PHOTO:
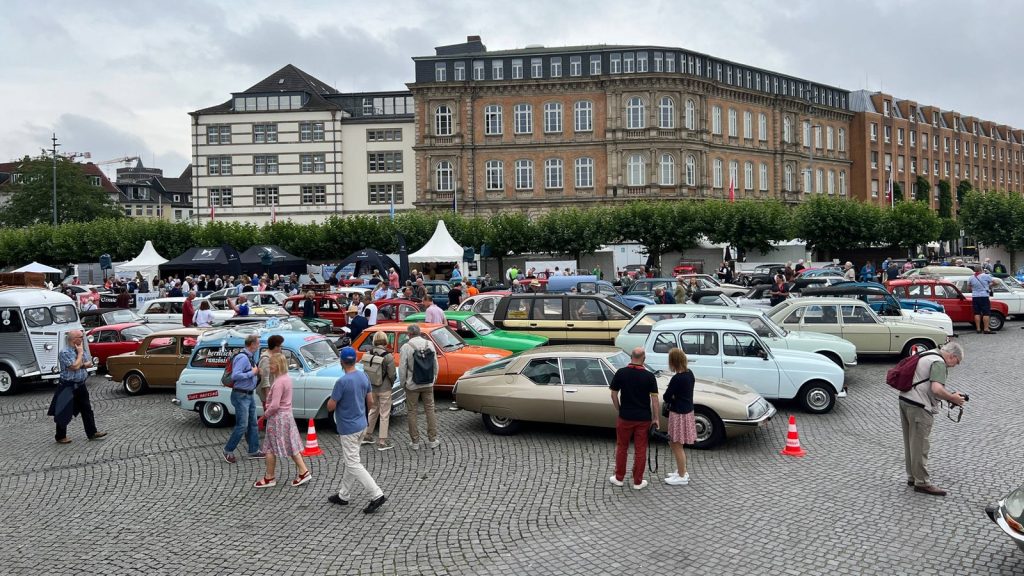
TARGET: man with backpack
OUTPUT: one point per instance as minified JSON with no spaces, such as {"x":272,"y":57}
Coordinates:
{"x":418,"y":372}
{"x":244,"y":376}
{"x":379,"y":367}
{"x":921,"y":380}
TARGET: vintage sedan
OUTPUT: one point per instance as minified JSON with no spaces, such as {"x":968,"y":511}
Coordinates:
{"x":733,"y":351}
{"x":396,"y":309}
{"x":884,"y":303}
{"x":855,"y":321}
{"x":329,"y":306}
{"x":114,"y":339}
{"x":484,"y":303}
{"x":105,"y":316}
{"x":1008,"y":514}
{"x":569,"y":385}
{"x":478,"y":331}
{"x":563,"y":318}
{"x":1014,"y":299}
{"x":157,"y":361}
{"x":958,"y":306}
{"x":454,"y":356}
{"x":312,"y":363}
{"x":836,"y":349}
{"x":168,"y":310}
{"x":709,"y":282}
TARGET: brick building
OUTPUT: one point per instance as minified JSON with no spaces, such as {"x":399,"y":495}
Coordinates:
{"x":536,"y":128}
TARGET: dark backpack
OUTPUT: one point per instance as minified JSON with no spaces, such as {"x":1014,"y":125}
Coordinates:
{"x":901,"y":376}
{"x":225,"y":378}
{"x":423,"y":366}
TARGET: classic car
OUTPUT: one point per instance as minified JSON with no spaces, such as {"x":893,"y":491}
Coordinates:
{"x":591,"y":285}
{"x":157,"y":361}
{"x":824,"y":271}
{"x":478,"y":331}
{"x":760,"y":274}
{"x":1008,"y":514}
{"x":569,"y":385}
{"x":646,"y":286}
{"x":874,"y":293}
{"x":168,"y":310}
{"x":104,"y":316}
{"x":958,"y":306}
{"x":563,"y":318}
{"x":759,"y":298}
{"x":883,"y":303}
{"x":836,"y":349}
{"x":329,"y":306}
{"x":113,"y":339}
{"x":1013,"y":299}
{"x":454,"y":356}
{"x":396,"y":309}
{"x":855,"y":321}
{"x":312,"y":363}
{"x":483,"y":303}
{"x":732,"y":350}
{"x":438,"y":290}
{"x":709,"y":282}
{"x":940,"y":271}
{"x":219,"y":300}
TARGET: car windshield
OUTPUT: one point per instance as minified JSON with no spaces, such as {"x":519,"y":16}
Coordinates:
{"x":446,"y":339}
{"x":777,"y":308}
{"x":618,"y":360}
{"x":319,"y":354}
{"x":136,"y":333}
{"x":121,"y":316}
{"x":64,"y":314}
{"x":480,"y":325}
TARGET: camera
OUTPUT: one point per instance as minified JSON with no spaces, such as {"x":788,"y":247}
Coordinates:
{"x":657,"y":435}
{"x":966,"y":397}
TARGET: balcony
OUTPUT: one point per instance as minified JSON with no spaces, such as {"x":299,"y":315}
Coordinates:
{"x":667,"y":133}
{"x":452,"y":140}
{"x":637,"y":134}
{"x":439,"y":196}
{"x":637,"y":191}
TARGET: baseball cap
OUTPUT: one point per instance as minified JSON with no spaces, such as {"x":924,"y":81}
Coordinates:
{"x":348,"y":354}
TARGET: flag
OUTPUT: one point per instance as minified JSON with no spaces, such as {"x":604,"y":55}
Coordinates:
{"x":211,"y":209}
{"x":732,"y":191}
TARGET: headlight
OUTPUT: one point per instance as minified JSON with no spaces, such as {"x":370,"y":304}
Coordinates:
{"x":757,"y":409}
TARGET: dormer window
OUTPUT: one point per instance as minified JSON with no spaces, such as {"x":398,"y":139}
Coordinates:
{"x":95,"y":181}
{"x":885,"y":108}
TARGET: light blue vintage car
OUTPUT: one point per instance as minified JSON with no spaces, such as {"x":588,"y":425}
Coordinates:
{"x":312,"y":362}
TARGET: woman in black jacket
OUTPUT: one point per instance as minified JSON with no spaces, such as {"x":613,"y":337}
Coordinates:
{"x":681,"y":426}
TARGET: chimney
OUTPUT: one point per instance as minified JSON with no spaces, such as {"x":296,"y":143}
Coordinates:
{"x":472,"y":39}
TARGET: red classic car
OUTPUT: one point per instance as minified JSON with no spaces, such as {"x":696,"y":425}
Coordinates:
{"x":396,"y":309}
{"x":114,"y":339}
{"x":329,"y":306}
{"x":958,"y":305}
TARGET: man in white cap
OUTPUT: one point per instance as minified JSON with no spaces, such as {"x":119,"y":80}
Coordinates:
{"x":848,"y":272}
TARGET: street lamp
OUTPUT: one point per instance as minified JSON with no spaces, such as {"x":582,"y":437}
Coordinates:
{"x":54,"y":150}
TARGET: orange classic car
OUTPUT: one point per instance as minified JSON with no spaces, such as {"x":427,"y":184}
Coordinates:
{"x":156,"y":363}
{"x":454,"y":356}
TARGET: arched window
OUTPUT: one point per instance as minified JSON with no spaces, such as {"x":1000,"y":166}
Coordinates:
{"x":787,"y":182}
{"x":763,"y":177}
{"x":667,"y":113}
{"x":444,"y":176}
{"x":443,"y":121}
{"x":635,"y":113}
{"x":495,"y":170}
{"x":748,"y":176}
{"x":524,"y":174}
{"x":734,"y":177}
{"x":717,"y":173}
{"x":691,"y":170}
{"x":636,"y":173}
{"x":492,"y":120}
{"x":667,"y":170}
{"x":691,"y":114}
{"x":762,"y":127}
{"x":553,"y":173}
{"x":842,"y":183}
{"x":787,"y":129}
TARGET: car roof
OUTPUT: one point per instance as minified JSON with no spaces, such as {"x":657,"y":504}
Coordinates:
{"x":32,"y":297}
{"x":697,"y":308}
{"x":824,"y":301}
{"x":571,"y":350}
{"x":401,"y":327}
{"x":449,"y":314}
{"x":707,"y":323}
{"x":169,"y":299}
{"x":119,"y":326}
{"x":179,"y":332}
{"x":236,"y":335}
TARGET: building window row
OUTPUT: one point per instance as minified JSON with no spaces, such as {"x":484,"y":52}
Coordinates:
{"x":384,"y":162}
{"x":523,"y":174}
{"x":218,"y":165}
{"x":386,"y":193}
{"x":384,"y":135}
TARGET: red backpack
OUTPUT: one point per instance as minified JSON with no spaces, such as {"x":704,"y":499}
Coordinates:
{"x":901,"y":376}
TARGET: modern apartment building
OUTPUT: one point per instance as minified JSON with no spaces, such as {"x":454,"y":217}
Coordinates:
{"x":910,"y":140}
{"x":292,"y":147}
{"x":539,"y":127}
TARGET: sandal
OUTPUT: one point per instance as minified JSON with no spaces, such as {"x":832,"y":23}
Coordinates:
{"x":302,"y":478}
{"x":265,"y":483}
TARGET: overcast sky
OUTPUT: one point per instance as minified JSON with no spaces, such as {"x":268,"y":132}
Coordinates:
{"x":118,"y":78}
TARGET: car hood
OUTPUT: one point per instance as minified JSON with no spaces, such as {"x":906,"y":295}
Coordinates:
{"x":929,"y":318}
{"x":516,"y":338}
{"x":333,"y":371}
{"x":637,"y":298}
{"x":815,"y":337}
{"x":806,"y":360}
{"x":483,"y":352}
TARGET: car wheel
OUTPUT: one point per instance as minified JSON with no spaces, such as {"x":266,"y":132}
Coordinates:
{"x":710,"y":429}
{"x":501,"y":426}
{"x":134,"y":384}
{"x":915,"y":346}
{"x":213,"y":414}
{"x":817,"y":397}
{"x":833,"y":357}
{"x":7,"y":382}
{"x":995,"y":321}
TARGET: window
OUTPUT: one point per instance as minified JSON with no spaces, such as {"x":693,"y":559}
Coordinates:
{"x":443,"y":121}
{"x":556,"y":67}
{"x":807,"y":135}
{"x":536,"y":68}
{"x":691,"y":113}
{"x":874,"y":160}
{"x":664,"y":342}
{"x":762,"y":127}
{"x":635,"y":113}
{"x":266,"y":196}
{"x":830,"y":138}
{"x":888,"y":162}
{"x":807,"y":181}
{"x":636,"y":171}
{"x":517,"y":68}
{"x":717,"y":173}
{"x":742,"y":344}
{"x":386,"y":135}
{"x":478,"y":70}
{"x":734,"y":173}
{"x":553,"y":174}
{"x":787,"y":129}
{"x":552,"y":117}
{"x":523,"y":116}
{"x":583,"y":113}
{"x":264,"y":164}
{"x":699,"y":343}
{"x":492,"y":120}
{"x":887,"y":130}
{"x":311,"y":132}
{"x":440,"y":72}
{"x":216,"y":166}
{"x":763,"y":177}
{"x":787,"y":182}
{"x":543,"y":371}
{"x":460,"y":71}
{"x":658,"y":67}
{"x":575,"y":66}
{"x":666,"y":113}
{"x":495,"y":174}
{"x":899,"y":163}
{"x":319,"y":164}
{"x":831,"y":182}
{"x":444,"y":176}
{"x":595,"y":64}
{"x":842,"y":183}
{"x":820,"y":176}
{"x":219,"y":197}
{"x":874,"y":132}
{"x":383,"y":162}
{"x":748,"y":176}
{"x":732,"y":123}
{"x":716,"y":120}
{"x":264,"y":133}
{"x":842,"y":140}
{"x":641,"y":61}
{"x":524,"y":174}
{"x":584,"y":172}
{"x":670,"y":62}
{"x":497,"y":69}
{"x":748,"y":125}
{"x":381,"y":193}
{"x":218,"y":134}
{"x":314,"y":194}
{"x":667,"y":170}
{"x":615,"y":63}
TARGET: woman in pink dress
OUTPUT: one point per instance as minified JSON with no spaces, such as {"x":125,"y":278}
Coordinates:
{"x":282,"y":434}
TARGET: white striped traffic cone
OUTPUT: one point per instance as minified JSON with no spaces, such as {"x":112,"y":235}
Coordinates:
{"x":312,"y":446}
{"x":793,"y":440}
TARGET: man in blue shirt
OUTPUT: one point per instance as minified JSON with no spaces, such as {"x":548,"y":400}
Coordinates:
{"x":72,"y":396}
{"x":981,"y":290}
{"x":351,"y":396}
{"x":244,"y":376}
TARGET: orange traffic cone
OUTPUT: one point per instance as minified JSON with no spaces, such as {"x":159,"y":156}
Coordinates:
{"x":312,"y":446}
{"x":793,"y":440}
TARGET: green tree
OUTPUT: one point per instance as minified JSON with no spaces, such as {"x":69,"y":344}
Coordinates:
{"x":897,"y":192}
{"x":945,"y":208}
{"x":921,"y":188}
{"x":962,"y":188}
{"x":77,"y":199}
{"x":908,"y":225}
{"x":659,"y":226}
{"x":831,"y":225}
{"x":509,"y":233}
{"x":573,"y":231}
{"x":949,"y":229}
{"x":748,"y":225}
{"x":994,"y":219}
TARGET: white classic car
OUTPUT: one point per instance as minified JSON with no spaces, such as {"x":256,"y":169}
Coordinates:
{"x":732,"y":351}
{"x":168,"y":310}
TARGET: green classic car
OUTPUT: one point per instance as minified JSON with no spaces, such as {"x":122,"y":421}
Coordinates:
{"x":478,"y":331}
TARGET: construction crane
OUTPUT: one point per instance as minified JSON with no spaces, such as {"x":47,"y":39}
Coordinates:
{"x":122,"y":160}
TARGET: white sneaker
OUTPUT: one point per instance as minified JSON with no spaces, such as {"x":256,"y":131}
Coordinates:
{"x":678,"y":480}
{"x":434,"y":443}
{"x":414,"y":445}
{"x":671,"y":475}
{"x":615,"y":481}
{"x":640,"y":486}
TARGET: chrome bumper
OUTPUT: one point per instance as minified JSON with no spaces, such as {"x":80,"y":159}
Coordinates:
{"x":754,"y":423}
{"x":175,"y":401}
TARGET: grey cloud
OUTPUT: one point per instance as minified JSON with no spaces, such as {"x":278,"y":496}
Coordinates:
{"x":106,"y":142}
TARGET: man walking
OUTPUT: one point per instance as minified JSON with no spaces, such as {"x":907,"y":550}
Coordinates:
{"x":635,"y":397}
{"x":918,"y":407}
{"x":188,"y":310}
{"x":244,"y":377}
{"x":417,"y":372}
{"x":72,"y":395}
{"x":349,"y":400}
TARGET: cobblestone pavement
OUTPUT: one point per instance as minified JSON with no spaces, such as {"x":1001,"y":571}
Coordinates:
{"x":155,"y":497}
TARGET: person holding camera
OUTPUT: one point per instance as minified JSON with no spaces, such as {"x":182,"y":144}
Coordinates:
{"x":634,"y":393}
{"x":918,"y":407}
{"x":682,"y":428}
{"x":71,"y":398}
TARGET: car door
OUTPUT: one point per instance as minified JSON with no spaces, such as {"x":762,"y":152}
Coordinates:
{"x":547,"y":318}
{"x":703,"y":353}
{"x":957,"y":306}
{"x":1014,"y":300}
{"x":615,"y":319}
{"x":160,"y":361}
{"x":542,"y":397}
{"x":862,"y":328}
{"x":329,"y":309}
{"x":102,"y":343}
{"x":485,"y":307}
{"x":586,"y":323}
{"x":585,"y":395}
{"x":746,"y":360}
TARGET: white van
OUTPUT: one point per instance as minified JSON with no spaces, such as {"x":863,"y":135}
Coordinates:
{"x":33,"y":329}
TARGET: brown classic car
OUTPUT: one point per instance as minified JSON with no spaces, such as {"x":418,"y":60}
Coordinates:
{"x":157,"y":362}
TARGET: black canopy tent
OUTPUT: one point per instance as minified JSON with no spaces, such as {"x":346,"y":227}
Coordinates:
{"x":204,"y":260}
{"x":283,"y":262}
{"x":366,"y":260}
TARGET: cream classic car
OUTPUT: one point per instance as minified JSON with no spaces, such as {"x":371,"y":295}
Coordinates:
{"x":569,"y":385}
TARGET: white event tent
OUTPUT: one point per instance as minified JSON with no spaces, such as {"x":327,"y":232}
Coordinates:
{"x":146,"y":263}
{"x":440,"y":248}
{"x":40,"y":268}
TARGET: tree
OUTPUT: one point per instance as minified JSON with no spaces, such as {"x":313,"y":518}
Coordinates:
{"x":921,"y":188}
{"x":994,"y":219}
{"x":908,"y":225}
{"x":949,"y":229}
{"x":962,"y":188}
{"x":945,"y":207}
{"x":831,"y":225}
{"x":748,"y":225}
{"x":897,"y":192}
{"x":658,"y":226}
{"x":509,"y":233}
{"x":77,"y":199}
{"x":573,"y":231}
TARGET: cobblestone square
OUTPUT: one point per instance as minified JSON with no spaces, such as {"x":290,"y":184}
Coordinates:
{"x":156,"y":498}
